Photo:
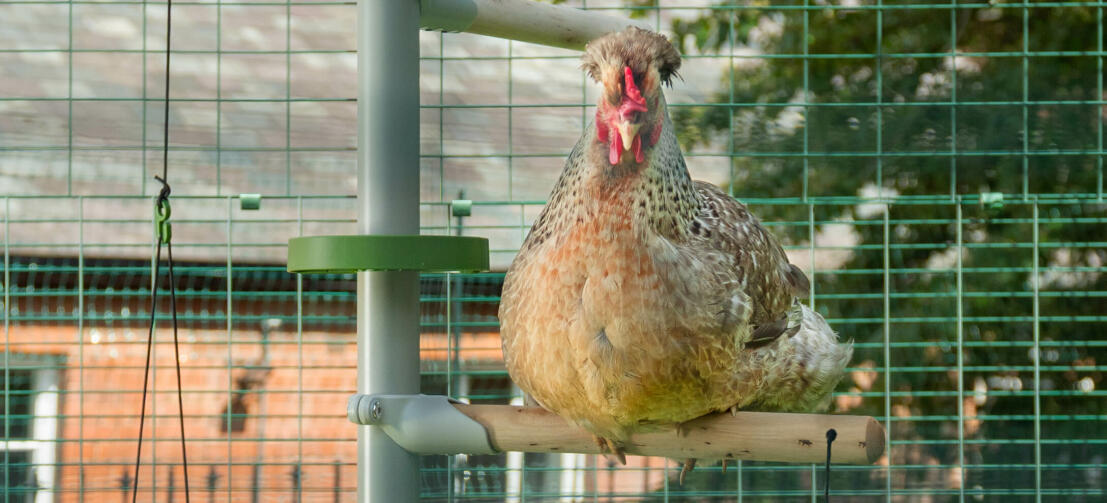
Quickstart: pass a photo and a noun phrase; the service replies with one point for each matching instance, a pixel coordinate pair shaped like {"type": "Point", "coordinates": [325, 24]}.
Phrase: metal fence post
{"type": "Point", "coordinates": [388, 203]}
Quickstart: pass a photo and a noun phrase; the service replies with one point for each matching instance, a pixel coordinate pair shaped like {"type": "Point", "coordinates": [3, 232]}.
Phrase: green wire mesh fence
{"type": "Point", "coordinates": [936, 168]}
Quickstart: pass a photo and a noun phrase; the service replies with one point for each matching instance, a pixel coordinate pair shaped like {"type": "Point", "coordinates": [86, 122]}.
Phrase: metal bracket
{"type": "Point", "coordinates": [421, 424]}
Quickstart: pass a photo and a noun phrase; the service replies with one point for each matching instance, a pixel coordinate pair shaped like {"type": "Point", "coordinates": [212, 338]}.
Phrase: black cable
{"type": "Point", "coordinates": [831, 434]}
{"type": "Point", "coordinates": [165, 127]}
{"type": "Point", "coordinates": [146, 376]}
{"type": "Point", "coordinates": [161, 206]}
{"type": "Point", "coordinates": [177, 360]}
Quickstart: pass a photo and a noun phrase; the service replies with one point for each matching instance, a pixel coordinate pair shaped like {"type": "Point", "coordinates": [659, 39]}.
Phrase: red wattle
{"type": "Point", "coordinates": [637, 146]}
{"type": "Point", "coordinates": [614, 151]}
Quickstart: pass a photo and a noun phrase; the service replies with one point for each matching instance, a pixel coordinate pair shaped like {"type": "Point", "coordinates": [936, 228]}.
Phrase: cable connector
{"type": "Point", "coordinates": [162, 211]}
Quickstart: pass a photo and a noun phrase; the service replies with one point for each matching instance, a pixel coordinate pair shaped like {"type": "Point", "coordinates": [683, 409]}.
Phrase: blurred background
{"type": "Point", "coordinates": [935, 167]}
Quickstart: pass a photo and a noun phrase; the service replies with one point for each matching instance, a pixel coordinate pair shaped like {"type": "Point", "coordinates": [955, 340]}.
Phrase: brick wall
{"type": "Point", "coordinates": [294, 413]}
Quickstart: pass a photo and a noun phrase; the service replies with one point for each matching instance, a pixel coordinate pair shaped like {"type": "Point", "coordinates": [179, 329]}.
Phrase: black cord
{"type": "Point", "coordinates": [161, 207]}
{"type": "Point", "coordinates": [177, 360]}
{"type": "Point", "coordinates": [165, 127]}
{"type": "Point", "coordinates": [146, 377]}
{"type": "Point", "coordinates": [831, 434]}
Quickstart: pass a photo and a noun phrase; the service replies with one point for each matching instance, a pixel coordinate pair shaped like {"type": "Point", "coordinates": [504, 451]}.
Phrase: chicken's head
{"type": "Point", "coordinates": [631, 65]}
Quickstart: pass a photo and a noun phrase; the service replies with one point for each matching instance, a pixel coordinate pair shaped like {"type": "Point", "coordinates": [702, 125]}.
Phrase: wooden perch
{"type": "Point", "coordinates": [761, 436]}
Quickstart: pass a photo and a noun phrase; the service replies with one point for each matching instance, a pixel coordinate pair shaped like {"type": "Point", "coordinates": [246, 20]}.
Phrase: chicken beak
{"type": "Point", "coordinates": [627, 132]}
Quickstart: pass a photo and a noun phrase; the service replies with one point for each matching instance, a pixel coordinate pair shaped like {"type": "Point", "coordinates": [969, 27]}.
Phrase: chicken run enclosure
{"type": "Point", "coordinates": [935, 167]}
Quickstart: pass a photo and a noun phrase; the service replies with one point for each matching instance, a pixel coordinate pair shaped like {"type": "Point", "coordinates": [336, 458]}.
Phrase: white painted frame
{"type": "Point", "coordinates": [44, 432]}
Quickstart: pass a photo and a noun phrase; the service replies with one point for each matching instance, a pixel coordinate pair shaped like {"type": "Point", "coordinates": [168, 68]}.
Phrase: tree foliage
{"type": "Point", "coordinates": [881, 106]}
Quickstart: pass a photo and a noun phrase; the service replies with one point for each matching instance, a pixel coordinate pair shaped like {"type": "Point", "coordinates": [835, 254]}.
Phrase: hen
{"type": "Point", "coordinates": [642, 298]}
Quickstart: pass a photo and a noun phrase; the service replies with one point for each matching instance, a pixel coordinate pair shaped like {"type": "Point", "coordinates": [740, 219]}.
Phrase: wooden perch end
{"type": "Point", "coordinates": [759, 436]}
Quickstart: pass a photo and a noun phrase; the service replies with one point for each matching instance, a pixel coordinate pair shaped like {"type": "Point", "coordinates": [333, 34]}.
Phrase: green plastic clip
{"type": "Point", "coordinates": [161, 214]}
{"type": "Point", "coordinates": [461, 207]}
{"type": "Point", "coordinates": [991, 200]}
{"type": "Point", "coordinates": [250, 201]}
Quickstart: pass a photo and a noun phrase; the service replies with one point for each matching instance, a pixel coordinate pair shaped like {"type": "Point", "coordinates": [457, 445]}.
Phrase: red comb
{"type": "Point", "coordinates": [632, 91]}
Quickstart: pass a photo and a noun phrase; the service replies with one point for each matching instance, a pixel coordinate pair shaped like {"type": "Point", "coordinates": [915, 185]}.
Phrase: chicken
{"type": "Point", "coordinates": [641, 298]}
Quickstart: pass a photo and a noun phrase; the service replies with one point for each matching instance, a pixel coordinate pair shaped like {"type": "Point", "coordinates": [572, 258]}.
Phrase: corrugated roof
{"type": "Point", "coordinates": [255, 119]}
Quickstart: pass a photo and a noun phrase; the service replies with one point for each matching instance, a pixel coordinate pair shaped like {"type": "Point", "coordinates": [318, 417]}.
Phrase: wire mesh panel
{"type": "Point", "coordinates": [935, 167]}
{"type": "Point", "coordinates": [263, 356]}
{"type": "Point", "coordinates": [266, 355]}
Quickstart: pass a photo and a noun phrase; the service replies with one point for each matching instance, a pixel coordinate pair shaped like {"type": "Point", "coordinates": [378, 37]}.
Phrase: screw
{"type": "Point", "coordinates": [375, 411]}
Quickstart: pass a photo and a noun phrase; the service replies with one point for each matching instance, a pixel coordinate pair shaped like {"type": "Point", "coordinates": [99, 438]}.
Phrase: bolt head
{"type": "Point", "coordinates": [375, 411]}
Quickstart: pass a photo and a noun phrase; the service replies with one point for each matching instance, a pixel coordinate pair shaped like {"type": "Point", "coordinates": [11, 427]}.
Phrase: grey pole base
{"type": "Point", "coordinates": [421, 424]}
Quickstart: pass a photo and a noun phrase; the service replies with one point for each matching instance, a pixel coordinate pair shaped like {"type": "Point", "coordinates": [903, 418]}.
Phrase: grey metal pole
{"type": "Point", "coordinates": [388, 203]}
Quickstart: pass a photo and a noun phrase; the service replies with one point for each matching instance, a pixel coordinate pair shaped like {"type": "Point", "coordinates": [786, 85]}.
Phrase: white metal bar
{"type": "Point", "coordinates": [230, 346]}
{"type": "Point", "coordinates": [522, 20]}
{"type": "Point", "coordinates": [388, 203]}
{"type": "Point", "coordinates": [81, 335]}
{"type": "Point", "coordinates": [45, 432]}
{"type": "Point", "coordinates": [7, 336]}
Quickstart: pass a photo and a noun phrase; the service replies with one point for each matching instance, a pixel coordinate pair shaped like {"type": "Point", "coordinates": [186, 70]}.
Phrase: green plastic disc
{"type": "Point", "coordinates": [345, 254]}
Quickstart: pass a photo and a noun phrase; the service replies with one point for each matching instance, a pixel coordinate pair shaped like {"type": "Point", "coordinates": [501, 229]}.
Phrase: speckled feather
{"type": "Point", "coordinates": [643, 298]}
